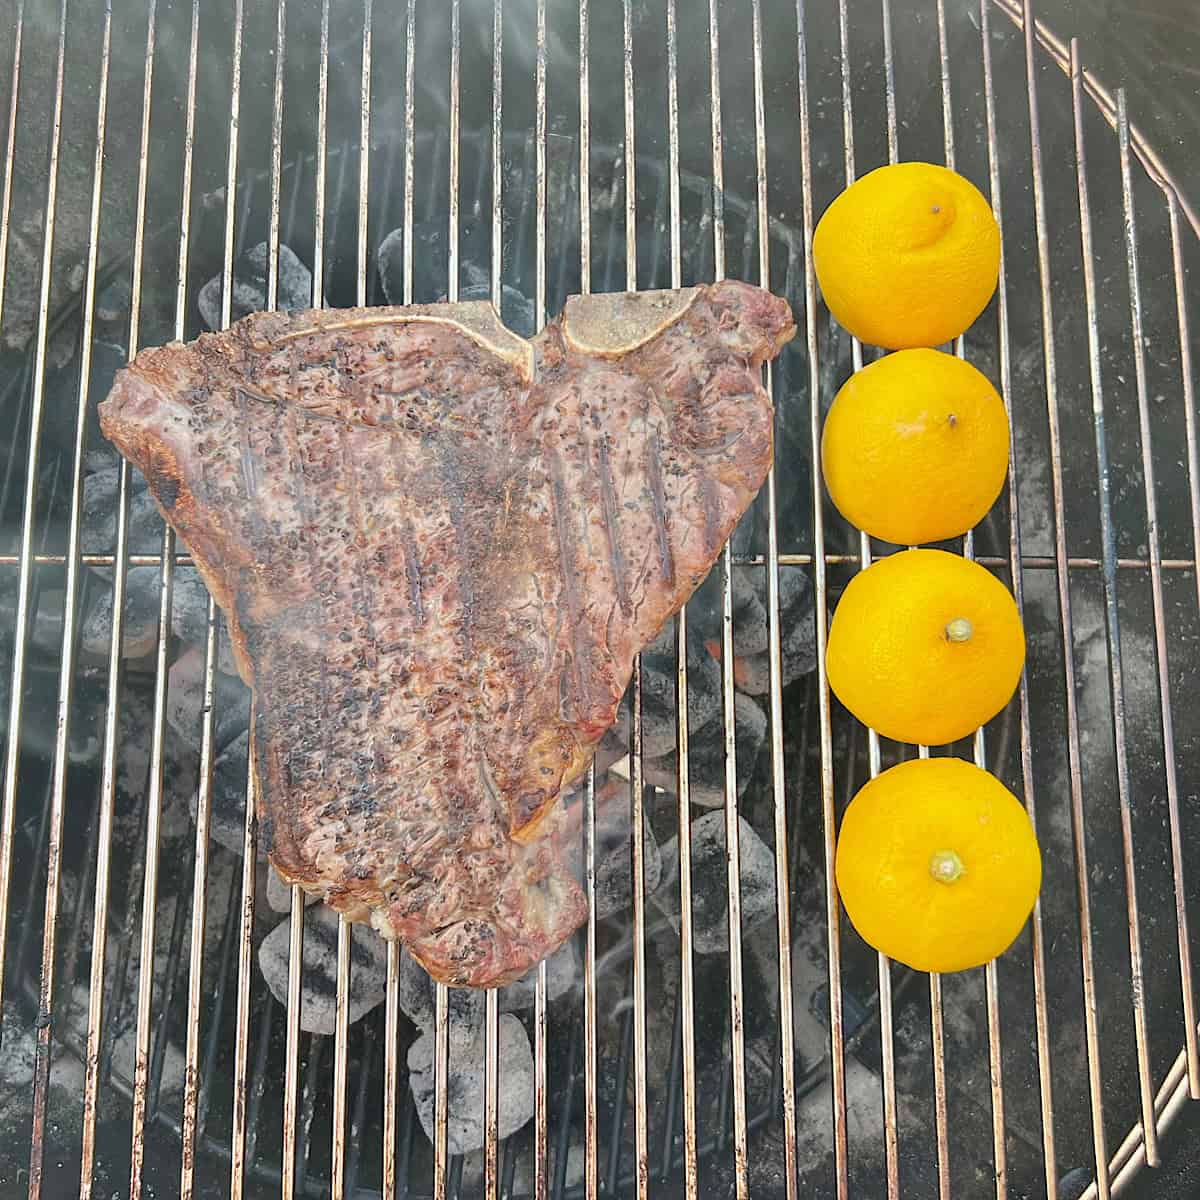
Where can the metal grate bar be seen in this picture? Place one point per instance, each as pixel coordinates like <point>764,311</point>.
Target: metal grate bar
<point>41,1074</point>
<point>364,152</point>
<point>295,1000</point>
<point>1057,50</point>
<point>191,1077</point>
<point>837,1040</point>
<point>392,999</point>
<point>341,1037</point>
<point>1028,562</point>
<point>685,1012</point>
<point>455,150</point>
<point>146,961</point>
<point>235,93</point>
<point>1193,438</point>
<point>1193,458</point>
<point>242,1018</point>
<point>884,967</point>
<point>979,753</point>
<point>96,1036</point>
<point>1041,1019</point>
<point>320,164</point>
<point>887,1040</point>
<point>786,1053</point>
<point>150,870</point>
<point>340,1064</point>
<point>491,1102</point>
<point>204,791</point>
<point>391,1034</point>
<point>636,779</point>
<point>1156,587</point>
<point>1108,538</point>
<point>995,1055</point>
<point>276,156</point>
<point>441,1056</point>
<point>250,831</point>
<point>29,511</point>
<point>937,1034</point>
<point>1066,624</point>
<point>1131,1154</point>
<point>540,1084</point>
<point>591,1150</point>
<point>11,141</point>
<point>889,81</point>
<point>736,1033</point>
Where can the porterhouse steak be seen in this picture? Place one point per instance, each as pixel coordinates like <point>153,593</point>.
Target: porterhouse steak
<point>440,547</point>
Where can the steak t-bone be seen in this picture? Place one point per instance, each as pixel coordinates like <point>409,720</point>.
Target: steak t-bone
<point>440,548</point>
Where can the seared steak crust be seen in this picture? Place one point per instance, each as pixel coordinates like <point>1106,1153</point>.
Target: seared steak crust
<point>439,548</point>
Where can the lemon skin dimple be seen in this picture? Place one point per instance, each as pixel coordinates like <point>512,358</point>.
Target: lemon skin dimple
<point>909,255</point>
<point>891,832</point>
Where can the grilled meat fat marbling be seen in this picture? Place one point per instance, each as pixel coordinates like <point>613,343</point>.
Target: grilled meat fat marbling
<point>439,548</point>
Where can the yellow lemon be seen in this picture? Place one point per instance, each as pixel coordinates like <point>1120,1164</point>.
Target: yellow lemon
<point>937,864</point>
<point>915,447</point>
<point>909,255</point>
<point>925,647</point>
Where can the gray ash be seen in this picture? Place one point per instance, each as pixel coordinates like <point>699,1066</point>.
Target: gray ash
<point>250,285</point>
<point>465,1131</point>
<point>710,890</point>
<point>418,1003</point>
<point>318,981</point>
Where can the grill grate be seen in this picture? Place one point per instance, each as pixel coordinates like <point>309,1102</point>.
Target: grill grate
<point>158,1054</point>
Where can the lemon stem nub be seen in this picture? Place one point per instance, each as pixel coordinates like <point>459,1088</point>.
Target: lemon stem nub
<point>945,866</point>
<point>959,630</point>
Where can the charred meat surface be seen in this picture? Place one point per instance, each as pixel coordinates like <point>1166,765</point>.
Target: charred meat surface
<point>440,548</point>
